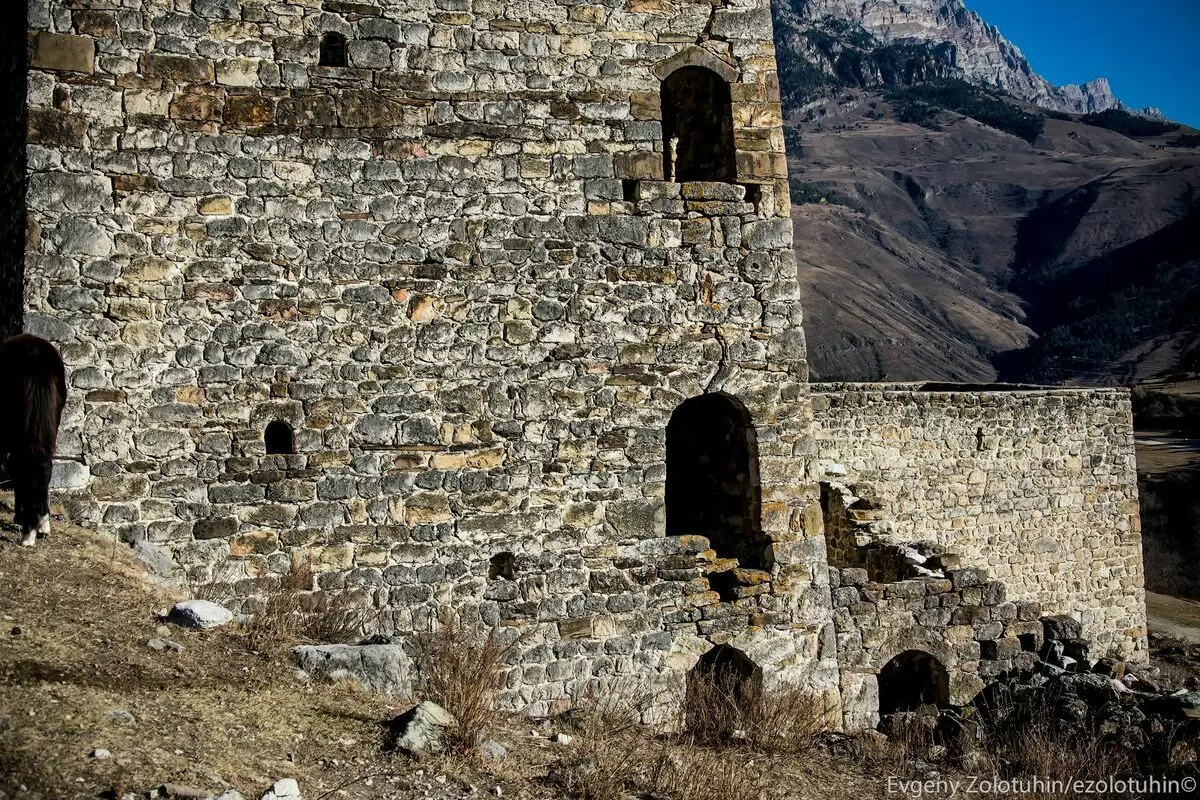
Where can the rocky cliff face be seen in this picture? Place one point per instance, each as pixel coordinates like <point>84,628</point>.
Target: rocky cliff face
<point>968,46</point>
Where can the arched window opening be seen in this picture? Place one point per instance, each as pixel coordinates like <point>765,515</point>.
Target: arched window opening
<point>333,50</point>
<point>911,680</point>
<point>279,438</point>
<point>697,122</point>
<point>503,565</point>
<point>712,479</point>
<point>724,691</point>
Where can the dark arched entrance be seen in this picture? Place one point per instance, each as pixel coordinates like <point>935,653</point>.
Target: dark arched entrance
<point>911,680</point>
<point>13,145</point>
<point>712,478</point>
<point>723,692</point>
<point>697,127</point>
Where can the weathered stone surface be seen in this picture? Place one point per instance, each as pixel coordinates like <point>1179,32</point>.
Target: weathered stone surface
<point>453,272</point>
<point>199,614</point>
<point>422,729</point>
<point>380,668</point>
<point>284,789</point>
<point>62,52</point>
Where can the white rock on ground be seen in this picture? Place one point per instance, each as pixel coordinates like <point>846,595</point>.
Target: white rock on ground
<point>199,614</point>
<point>380,668</point>
<point>422,728</point>
<point>285,789</point>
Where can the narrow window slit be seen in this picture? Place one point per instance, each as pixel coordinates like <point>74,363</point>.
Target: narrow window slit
<point>503,565</point>
<point>279,438</point>
<point>333,50</point>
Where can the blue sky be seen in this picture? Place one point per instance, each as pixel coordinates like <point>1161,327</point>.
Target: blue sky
<point>1148,49</point>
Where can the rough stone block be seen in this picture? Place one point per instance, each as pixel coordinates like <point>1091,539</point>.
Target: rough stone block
<point>63,53</point>
<point>963,578</point>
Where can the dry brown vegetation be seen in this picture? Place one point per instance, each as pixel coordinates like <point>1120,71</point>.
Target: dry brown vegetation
<point>77,617</point>
<point>461,669</point>
<point>230,711</point>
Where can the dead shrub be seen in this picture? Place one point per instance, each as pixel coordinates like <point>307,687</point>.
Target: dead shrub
<point>290,615</point>
<point>615,756</point>
<point>703,774</point>
<point>461,670</point>
<point>611,755</point>
<point>721,710</point>
<point>911,737</point>
<point>1031,742</point>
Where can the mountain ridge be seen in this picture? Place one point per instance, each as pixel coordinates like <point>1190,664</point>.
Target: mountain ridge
<point>967,47</point>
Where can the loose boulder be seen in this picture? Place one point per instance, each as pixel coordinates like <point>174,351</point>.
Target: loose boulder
<point>199,614</point>
<point>380,668</point>
<point>422,729</point>
<point>286,789</point>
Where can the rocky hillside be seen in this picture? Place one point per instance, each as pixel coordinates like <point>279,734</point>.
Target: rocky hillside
<point>948,230</point>
<point>960,43</point>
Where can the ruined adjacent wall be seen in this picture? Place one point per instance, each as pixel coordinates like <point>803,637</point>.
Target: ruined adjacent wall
<point>1036,486</point>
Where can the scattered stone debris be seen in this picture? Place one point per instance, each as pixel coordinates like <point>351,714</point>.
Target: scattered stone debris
<point>119,715</point>
<point>181,791</point>
<point>162,645</point>
<point>491,750</point>
<point>100,753</point>
<point>562,738</point>
<point>377,666</point>
<point>199,614</point>
<point>1123,704</point>
<point>421,730</point>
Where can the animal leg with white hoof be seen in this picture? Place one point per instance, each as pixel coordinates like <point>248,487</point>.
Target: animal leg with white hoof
<point>28,537</point>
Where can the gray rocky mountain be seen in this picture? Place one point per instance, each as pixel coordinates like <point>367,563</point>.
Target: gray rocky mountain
<point>966,46</point>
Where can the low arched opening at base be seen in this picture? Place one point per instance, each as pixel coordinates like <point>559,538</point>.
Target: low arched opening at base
<point>911,680</point>
<point>724,692</point>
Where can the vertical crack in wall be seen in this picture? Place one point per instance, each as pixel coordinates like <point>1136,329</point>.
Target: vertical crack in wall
<point>723,367</point>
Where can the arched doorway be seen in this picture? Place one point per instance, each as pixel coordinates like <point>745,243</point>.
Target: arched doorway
<point>697,127</point>
<point>724,690</point>
<point>712,478</point>
<point>911,680</point>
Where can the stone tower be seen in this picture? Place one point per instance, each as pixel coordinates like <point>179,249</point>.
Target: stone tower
<point>490,307</point>
<point>483,304</point>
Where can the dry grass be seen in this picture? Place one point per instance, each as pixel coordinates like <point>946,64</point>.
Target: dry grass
<point>288,615</point>
<point>719,710</point>
<point>461,670</point>
<point>617,757</point>
<point>213,715</point>
<point>726,743</point>
<point>1031,741</point>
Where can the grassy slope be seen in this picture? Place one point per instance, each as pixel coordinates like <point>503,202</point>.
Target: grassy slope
<point>220,714</point>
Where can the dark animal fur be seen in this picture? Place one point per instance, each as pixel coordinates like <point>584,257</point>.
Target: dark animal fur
<point>33,390</point>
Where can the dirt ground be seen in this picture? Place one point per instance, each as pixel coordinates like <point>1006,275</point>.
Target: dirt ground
<point>77,676</point>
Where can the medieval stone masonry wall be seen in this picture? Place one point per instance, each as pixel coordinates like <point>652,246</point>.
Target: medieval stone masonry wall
<point>1038,487</point>
<point>406,292</point>
<point>454,268</point>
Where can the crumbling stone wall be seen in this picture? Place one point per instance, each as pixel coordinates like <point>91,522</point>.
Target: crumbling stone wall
<point>454,269</point>
<point>1038,487</point>
<point>455,277</point>
<point>963,620</point>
